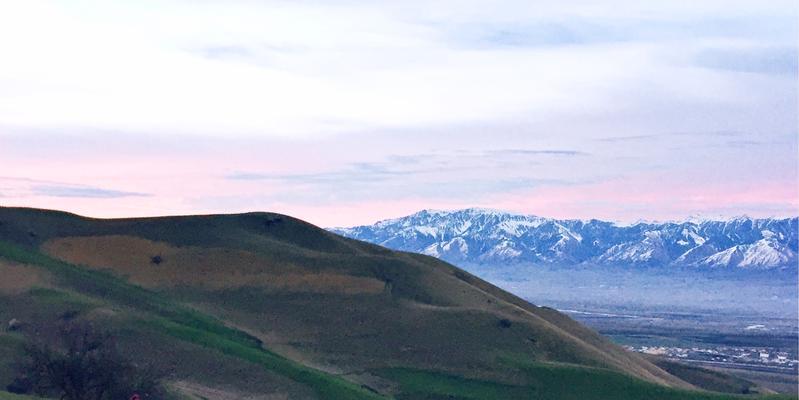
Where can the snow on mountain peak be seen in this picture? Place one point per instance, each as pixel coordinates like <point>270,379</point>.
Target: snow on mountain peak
<point>481,235</point>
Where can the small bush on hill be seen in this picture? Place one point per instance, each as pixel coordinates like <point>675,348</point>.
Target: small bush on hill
<point>84,365</point>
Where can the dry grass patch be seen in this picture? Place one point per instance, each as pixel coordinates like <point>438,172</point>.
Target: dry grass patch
<point>195,390</point>
<point>19,278</point>
<point>159,265</point>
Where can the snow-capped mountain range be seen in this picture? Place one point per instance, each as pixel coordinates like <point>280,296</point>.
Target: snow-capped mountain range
<point>482,236</point>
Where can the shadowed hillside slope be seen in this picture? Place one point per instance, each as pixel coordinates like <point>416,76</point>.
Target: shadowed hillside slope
<point>247,304</point>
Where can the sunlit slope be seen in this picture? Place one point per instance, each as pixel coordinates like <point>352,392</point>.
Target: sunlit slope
<point>325,310</point>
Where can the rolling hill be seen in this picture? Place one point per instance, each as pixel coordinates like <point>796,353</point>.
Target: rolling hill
<point>263,305</point>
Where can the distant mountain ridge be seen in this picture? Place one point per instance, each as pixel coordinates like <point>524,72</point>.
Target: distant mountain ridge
<point>483,236</point>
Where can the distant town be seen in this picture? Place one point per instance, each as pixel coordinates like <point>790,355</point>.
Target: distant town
<point>751,358</point>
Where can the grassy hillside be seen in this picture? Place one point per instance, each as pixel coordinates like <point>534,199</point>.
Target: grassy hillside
<point>237,306</point>
<point>11,396</point>
<point>705,378</point>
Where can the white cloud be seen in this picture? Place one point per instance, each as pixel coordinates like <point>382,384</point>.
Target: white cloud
<point>302,69</point>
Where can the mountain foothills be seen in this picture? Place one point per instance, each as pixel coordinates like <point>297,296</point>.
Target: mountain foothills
<point>480,236</point>
<point>262,305</point>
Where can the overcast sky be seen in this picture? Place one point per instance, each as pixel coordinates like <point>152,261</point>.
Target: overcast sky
<point>345,113</point>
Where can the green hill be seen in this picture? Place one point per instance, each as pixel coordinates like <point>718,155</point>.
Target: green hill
<point>247,305</point>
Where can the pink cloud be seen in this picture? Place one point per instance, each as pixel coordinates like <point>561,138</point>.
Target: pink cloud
<point>194,179</point>
<point>656,197</point>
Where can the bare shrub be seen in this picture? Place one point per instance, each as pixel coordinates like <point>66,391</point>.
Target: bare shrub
<point>84,365</point>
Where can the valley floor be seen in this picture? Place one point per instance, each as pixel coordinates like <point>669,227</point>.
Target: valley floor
<point>764,351</point>
<point>744,325</point>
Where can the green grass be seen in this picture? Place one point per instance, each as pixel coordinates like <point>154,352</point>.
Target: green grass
<point>110,288</point>
<point>49,296</point>
<point>418,384</point>
<point>12,396</point>
<point>181,322</point>
<point>11,345</point>
<point>326,386</point>
<point>705,378</point>
<point>552,382</point>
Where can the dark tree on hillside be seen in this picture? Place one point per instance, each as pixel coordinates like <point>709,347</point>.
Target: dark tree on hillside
<point>85,365</point>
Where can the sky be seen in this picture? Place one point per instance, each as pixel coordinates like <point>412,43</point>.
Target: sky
<point>344,113</point>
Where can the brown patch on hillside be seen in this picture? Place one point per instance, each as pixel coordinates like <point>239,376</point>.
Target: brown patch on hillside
<point>158,265</point>
<point>197,391</point>
<point>18,278</point>
<point>126,253</point>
